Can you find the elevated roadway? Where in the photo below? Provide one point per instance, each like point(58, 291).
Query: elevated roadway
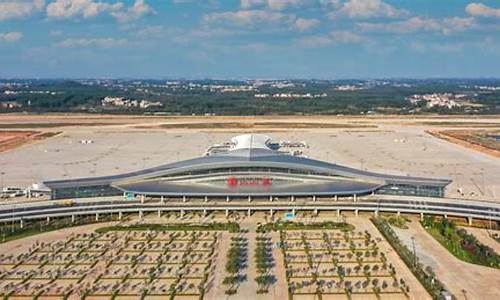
point(30, 210)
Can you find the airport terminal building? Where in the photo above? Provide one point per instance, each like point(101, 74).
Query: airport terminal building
point(252, 167)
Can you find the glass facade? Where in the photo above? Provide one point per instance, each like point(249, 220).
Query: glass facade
point(412, 190)
point(248, 170)
point(85, 192)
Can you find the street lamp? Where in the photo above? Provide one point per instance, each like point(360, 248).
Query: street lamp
point(414, 252)
point(1, 177)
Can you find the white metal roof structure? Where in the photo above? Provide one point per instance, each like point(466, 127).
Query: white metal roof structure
point(250, 141)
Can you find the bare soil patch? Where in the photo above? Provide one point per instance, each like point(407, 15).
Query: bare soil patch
point(478, 140)
point(52, 125)
point(15, 138)
point(459, 124)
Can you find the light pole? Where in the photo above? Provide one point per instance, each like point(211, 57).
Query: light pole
point(1, 177)
point(489, 220)
point(414, 252)
point(484, 187)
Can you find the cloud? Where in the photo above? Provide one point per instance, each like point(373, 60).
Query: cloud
point(10, 37)
point(56, 32)
point(481, 10)
point(414, 24)
point(15, 9)
point(368, 9)
point(136, 11)
point(255, 18)
point(305, 24)
point(67, 9)
point(92, 43)
point(248, 17)
point(334, 3)
point(273, 4)
point(441, 47)
point(456, 24)
point(334, 37)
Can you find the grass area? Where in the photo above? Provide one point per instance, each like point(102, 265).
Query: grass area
point(231, 227)
point(301, 226)
point(462, 245)
point(397, 221)
point(425, 275)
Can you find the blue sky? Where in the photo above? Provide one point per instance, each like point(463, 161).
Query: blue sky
point(327, 39)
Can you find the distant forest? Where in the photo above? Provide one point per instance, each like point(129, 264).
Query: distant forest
point(200, 97)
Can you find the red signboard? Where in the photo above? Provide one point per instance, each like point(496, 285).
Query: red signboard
point(233, 181)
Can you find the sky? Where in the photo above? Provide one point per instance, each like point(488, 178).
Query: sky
point(240, 39)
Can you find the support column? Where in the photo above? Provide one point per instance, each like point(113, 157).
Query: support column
point(314, 198)
point(336, 198)
point(399, 213)
point(97, 216)
point(206, 198)
point(355, 198)
point(142, 198)
point(249, 198)
point(446, 216)
point(293, 211)
point(271, 198)
point(48, 220)
point(21, 223)
point(421, 216)
point(292, 198)
point(316, 211)
point(140, 215)
point(182, 213)
point(375, 213)
point(162, 200)
point(338, 212)
point(249, 212)
point(227, 213)
point(271, 212)
point(469, 220)
point(120, 214)
point(183, 198)
point(204, 212)
point(72, 218)
point(356, 212)
point(227, 198)
point(159, 213)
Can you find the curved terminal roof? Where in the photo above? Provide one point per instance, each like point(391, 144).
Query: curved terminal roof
point(249, 151)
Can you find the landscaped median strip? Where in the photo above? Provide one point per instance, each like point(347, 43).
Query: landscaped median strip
point(231, 227)
point(301, 226)
point(462, 245)
point(264, 262)
point(433, 286)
